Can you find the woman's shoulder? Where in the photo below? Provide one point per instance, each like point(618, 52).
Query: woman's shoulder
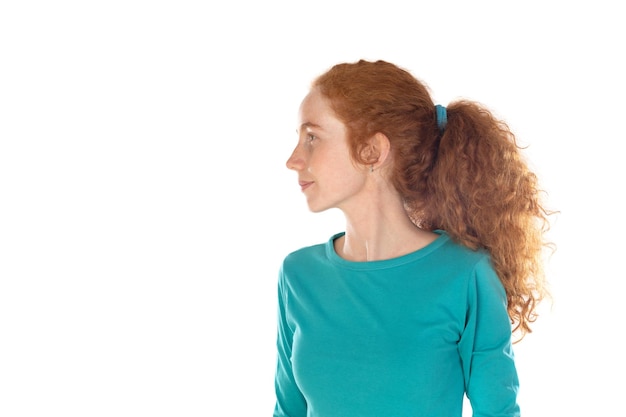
point(306, 253)
point(458, 253)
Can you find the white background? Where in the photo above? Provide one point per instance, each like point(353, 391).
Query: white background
point(145, 206)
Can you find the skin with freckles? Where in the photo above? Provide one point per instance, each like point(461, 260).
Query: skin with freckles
point(321, 158)
point(377, 225)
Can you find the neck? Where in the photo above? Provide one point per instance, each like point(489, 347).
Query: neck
point(380, 231)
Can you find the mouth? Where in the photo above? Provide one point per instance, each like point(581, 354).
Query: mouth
point(305, 184)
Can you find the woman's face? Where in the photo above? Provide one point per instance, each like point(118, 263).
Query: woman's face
point(328, 176)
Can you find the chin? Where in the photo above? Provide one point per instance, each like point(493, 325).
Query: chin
point(317, 209)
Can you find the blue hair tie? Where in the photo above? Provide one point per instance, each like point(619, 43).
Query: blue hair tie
point(442, 117)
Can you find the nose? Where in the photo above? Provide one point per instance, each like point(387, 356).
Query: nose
point(295, 161)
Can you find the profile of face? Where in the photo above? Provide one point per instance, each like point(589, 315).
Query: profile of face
point(327, 174)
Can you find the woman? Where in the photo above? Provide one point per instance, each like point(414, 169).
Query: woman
point(414, 305)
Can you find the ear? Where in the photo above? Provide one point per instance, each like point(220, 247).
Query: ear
point(376, 150)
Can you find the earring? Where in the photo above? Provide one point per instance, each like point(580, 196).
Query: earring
point(372, 168)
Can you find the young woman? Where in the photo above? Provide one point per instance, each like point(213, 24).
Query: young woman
point(415, 304)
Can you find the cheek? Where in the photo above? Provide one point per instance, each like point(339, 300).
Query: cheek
point(320, 163)
point(346, 177)
point(332, 164)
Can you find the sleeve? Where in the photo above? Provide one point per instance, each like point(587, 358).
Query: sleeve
point(289, 400)
point(486, 351)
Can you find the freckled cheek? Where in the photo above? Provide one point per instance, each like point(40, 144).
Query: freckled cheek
point(314, 162)
point(328, 164)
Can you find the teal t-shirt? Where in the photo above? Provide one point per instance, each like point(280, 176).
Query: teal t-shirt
point(408, 336)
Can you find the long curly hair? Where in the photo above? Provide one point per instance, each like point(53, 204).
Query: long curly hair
point(471, 180)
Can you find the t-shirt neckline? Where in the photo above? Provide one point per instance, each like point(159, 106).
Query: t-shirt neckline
point(384, 263)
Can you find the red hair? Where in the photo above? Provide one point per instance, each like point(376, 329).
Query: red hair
point(471, 180)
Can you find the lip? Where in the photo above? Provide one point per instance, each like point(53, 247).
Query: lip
point(305, 184)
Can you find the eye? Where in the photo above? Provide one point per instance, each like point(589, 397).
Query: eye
point(310, 137)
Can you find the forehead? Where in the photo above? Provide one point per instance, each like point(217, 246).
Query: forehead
point(316, 109)
point(313, 101)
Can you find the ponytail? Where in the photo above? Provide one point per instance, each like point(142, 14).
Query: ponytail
point(482, 193)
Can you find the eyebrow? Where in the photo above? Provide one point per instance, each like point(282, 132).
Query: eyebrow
point(309, 124)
